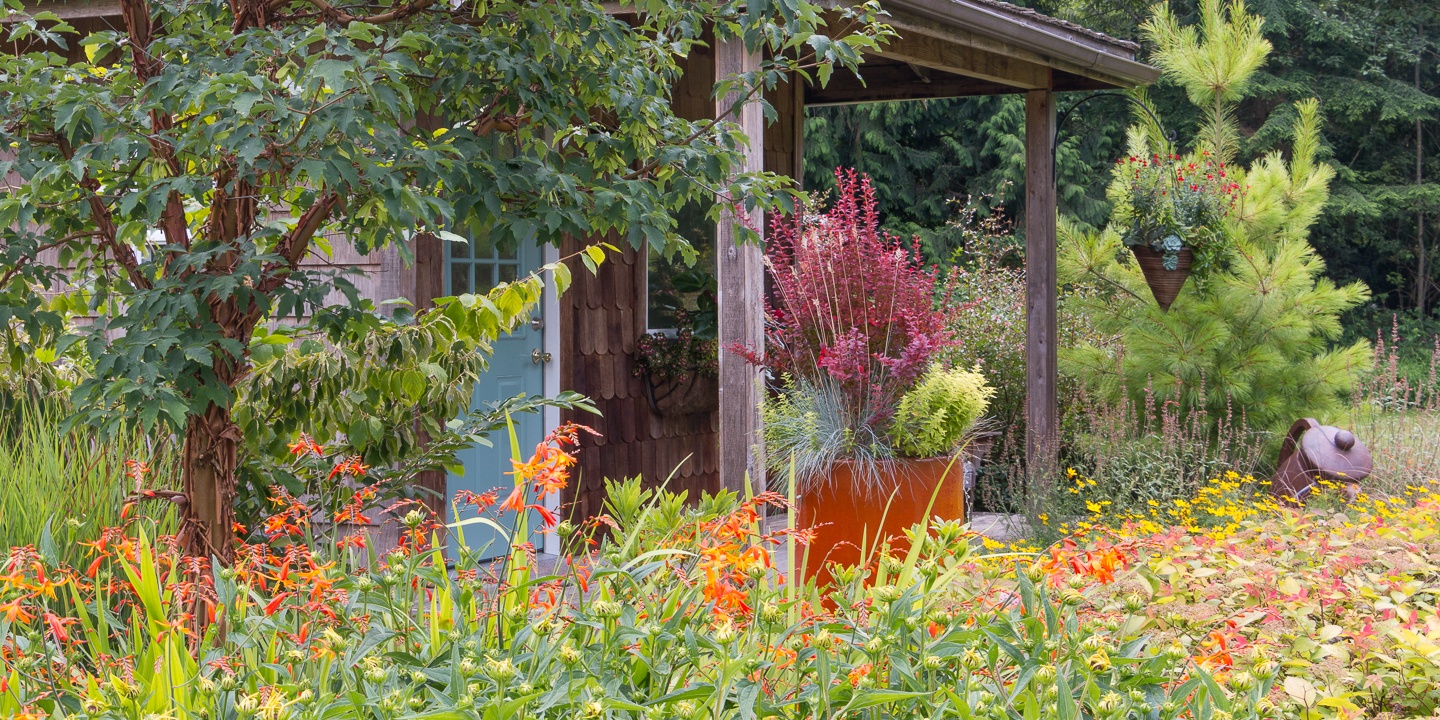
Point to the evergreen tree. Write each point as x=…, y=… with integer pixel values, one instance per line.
x=1255, y=335
x=1373, y=67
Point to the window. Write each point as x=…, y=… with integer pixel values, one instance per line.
x=480, y=265
x=674, y=286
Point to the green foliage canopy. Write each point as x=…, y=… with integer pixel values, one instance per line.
x=176, y=173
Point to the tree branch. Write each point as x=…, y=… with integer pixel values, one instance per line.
x=341, y=16
x=105, y=223
x=295, y=245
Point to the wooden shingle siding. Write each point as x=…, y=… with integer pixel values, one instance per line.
x=601, y=318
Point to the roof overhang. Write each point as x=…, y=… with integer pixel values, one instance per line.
x=1024, y=35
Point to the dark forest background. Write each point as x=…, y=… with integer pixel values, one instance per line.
x=1374, y=65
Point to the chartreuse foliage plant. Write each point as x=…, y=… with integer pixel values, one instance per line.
x=1257, y=336
x=677, y=610
x=1339, y=597
x=933, y=417
x=177, y=175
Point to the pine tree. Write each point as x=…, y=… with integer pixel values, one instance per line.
x=1256, y=335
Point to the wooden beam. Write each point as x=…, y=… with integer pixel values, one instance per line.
x=938, y=54
x=740, y=275
x=880, y=82
x=1042, y=427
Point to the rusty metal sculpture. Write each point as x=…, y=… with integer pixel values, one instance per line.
x=1313, y=453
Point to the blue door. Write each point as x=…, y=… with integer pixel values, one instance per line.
x=516, y=368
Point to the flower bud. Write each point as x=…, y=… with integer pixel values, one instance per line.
x=933, y=662
x=1099, y=662
x=1071, y=597
x=1242, y=681
x=885, y=593
x=1265, y=669
x=972, y=660
x=568, y=654
x=771, y=613
x=606, y=609
x=725, y=633
x=1035, y=572
x=1134, y=603
x=501, y=671
x=1045, y=674
x=1109, y=702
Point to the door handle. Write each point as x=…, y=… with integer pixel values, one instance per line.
x=537, y=356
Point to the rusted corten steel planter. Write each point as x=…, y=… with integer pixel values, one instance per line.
x=845, y=518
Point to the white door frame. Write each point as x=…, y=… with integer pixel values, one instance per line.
x=550, y=342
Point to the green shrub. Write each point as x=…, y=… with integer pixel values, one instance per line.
x=933, y=417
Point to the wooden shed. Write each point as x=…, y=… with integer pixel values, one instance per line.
x=586, y=340
x=945, y=48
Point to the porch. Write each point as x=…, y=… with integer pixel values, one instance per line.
x=945, y=49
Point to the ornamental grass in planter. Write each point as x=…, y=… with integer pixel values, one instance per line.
x=863, y=409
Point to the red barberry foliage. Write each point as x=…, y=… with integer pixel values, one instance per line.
x=853, y=305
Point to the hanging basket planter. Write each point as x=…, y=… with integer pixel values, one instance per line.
x=1164, y=284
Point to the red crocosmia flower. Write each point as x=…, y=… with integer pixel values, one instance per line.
x=516, y=501
x=273, y=606
x=547, y=516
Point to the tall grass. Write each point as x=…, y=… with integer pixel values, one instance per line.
x=73, y=481
x=1396, y=412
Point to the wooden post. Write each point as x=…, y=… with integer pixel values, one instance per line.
x=740, y=276
x=1042, y=431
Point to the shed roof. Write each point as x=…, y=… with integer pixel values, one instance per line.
x=1011, y=30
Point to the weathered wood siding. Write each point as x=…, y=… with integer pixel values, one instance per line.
x=602, y=317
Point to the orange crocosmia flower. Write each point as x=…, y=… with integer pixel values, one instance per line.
x=516, y=500
x=273, y=606
x=14, y=612
x=136, y=470
x=546, y=516
x=860, y=673
x=306, y=445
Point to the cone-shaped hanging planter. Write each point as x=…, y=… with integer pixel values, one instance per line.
x=1164, y=284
